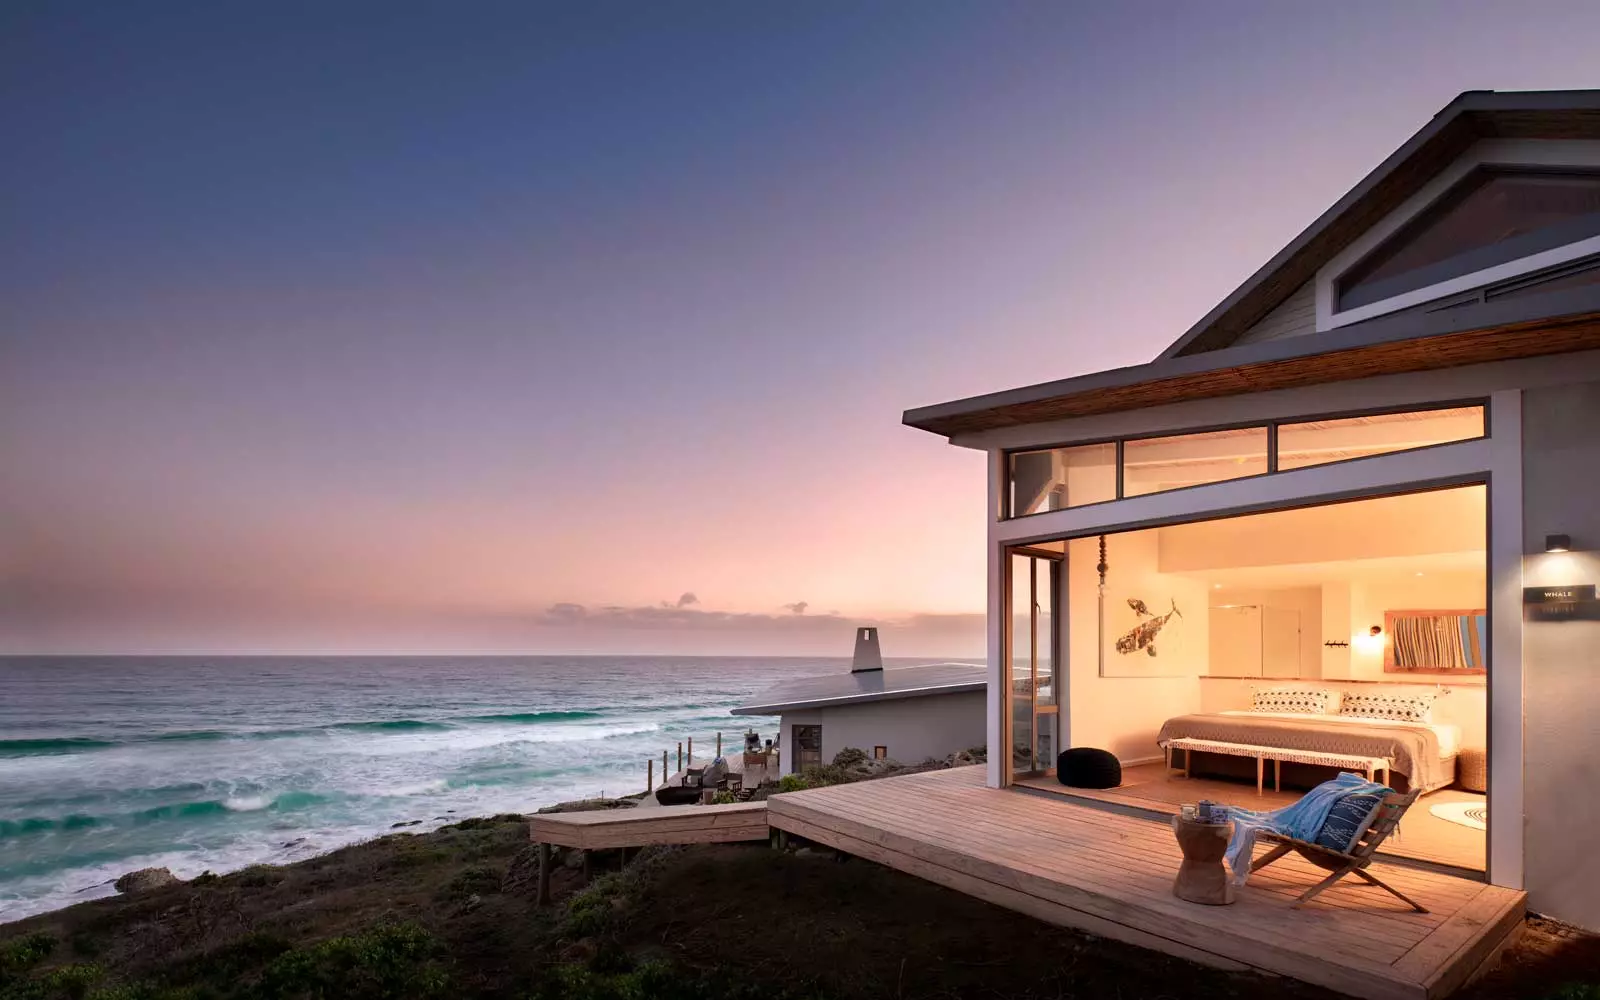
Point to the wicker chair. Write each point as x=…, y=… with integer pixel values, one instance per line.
x=1342, y=863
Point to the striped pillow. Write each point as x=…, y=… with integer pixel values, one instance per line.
x=1398, y=706
x=1300, y=700
x=1348, y=820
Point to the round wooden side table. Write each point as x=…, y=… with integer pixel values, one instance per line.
x=1202, y=877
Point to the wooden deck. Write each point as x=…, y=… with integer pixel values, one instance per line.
x=605, y=829
x=1111, y=875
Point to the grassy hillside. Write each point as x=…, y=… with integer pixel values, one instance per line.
x=451, y=914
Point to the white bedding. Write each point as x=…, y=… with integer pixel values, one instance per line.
x=1449, y=736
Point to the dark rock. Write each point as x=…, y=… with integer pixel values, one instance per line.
x=522, y=877
x=146, y=878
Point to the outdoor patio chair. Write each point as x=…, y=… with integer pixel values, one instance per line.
x=1341, y=863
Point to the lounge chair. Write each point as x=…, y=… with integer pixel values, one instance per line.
x=1341, y=863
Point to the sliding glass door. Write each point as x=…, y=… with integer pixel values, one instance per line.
x=1033, y=580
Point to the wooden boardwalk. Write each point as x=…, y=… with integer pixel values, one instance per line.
x=605, y=829
x=1111, y=875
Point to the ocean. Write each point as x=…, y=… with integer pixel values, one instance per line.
x=109, y=764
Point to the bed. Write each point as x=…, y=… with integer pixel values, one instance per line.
x=1424, y=752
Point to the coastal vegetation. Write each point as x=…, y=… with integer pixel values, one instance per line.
x=451, y=913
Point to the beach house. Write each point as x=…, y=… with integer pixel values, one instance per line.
x=902, y=713
x=1350, y=508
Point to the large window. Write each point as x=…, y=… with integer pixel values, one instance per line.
x=1317, y=442
x=1063, y=477
x=1050, y=479
x=1494, y=216
x=1154, y=465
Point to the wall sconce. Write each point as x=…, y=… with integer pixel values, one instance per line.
x=1375, y=630
x=1558, y=543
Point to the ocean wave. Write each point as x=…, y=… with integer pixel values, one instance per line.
x=533, y=717
x=575, y=734
x=68, y=744
x=84, y=744
x=205, y=808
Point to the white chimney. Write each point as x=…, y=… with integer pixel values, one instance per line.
x=868, y=656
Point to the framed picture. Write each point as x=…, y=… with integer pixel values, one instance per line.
x=1436, y=641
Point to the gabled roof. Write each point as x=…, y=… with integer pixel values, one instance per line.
x=1207, y=361
x=855, y=688
x=1474, y=115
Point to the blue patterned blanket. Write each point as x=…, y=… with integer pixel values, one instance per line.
x=1301, y=820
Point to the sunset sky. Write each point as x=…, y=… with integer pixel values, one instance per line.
x=520, y=327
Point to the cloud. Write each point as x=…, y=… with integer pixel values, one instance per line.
x=682, y=616
x=687, y=598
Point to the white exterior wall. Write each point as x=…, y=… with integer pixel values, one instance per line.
x=1561, y=474
x=914, y=729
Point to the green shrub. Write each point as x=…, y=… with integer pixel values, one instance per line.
x=258, y=876
x=476, y=880
x=792, y=783
x=391, y=962
x=724, y=799
x=23, y=953
x=1576, y=991
x=850, y=757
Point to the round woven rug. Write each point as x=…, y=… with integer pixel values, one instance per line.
x=1473, y=814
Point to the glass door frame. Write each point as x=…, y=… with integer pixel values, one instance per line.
x=1039, y=715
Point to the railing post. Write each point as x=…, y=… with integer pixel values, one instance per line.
x=719, y=744
x=650, y=775
x=691, y=751
x=680, y=755
x=664, y=771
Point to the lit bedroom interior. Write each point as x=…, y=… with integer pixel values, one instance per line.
x=1352, y=632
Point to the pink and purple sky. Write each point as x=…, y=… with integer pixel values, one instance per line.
x=510, y=327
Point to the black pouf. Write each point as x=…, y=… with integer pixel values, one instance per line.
x=1087, y=767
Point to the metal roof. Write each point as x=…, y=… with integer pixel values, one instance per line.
x=888, y=684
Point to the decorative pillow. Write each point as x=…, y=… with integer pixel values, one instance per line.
x=1400, y=706
x=1348, y=820
x=1299, y=700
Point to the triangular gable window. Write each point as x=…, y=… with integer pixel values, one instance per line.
x=1494, y=216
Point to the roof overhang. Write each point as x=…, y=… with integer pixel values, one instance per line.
x=1497, y=331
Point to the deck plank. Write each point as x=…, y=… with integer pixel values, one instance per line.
x=1111, y=874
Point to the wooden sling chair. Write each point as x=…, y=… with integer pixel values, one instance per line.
x=1342, y=863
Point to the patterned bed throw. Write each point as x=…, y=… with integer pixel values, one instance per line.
x=1413, y=748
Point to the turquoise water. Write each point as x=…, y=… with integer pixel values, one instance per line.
x=112, y=764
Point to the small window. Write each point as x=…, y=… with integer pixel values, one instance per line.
x=807, y=747
x=1318, y=442
x=880, y=753
x=1492, y=217
x=1062, y=477
x=1154, y=465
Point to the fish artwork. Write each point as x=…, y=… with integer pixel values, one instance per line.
x=1143, y=635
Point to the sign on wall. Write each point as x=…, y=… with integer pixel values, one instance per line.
x=1555, y=604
